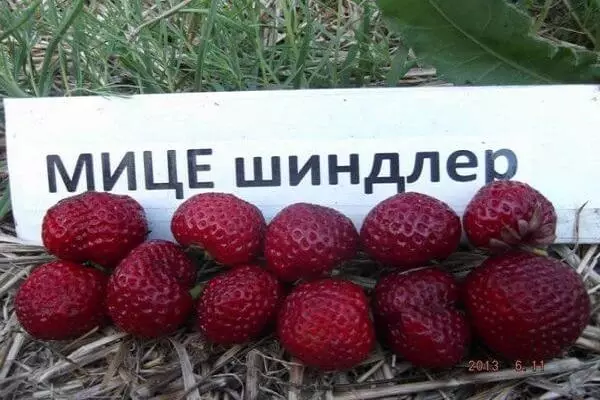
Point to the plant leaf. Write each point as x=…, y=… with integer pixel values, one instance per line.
x=486, y=42
x=399, y=67
x=587, y=15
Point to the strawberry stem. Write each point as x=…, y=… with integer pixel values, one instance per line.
x=198, y=252
x=535, y=250
x=196, y=290
x=97, y=266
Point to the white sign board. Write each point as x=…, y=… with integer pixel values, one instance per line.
x=346, y=148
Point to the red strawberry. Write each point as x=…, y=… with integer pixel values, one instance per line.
x=307, y=240
x=421, y=287
x=430, y=337
x=238, y=305
x=326, y=324
x=505, y=213
x=170, y=257
x=526, y=307
x=410, y=229
x=415, y=312
x=61, y=300
x=96, y=227
x=230, y=229
x=148, y=293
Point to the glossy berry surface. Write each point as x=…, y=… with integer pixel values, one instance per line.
x=96, y=227
x=230, y=229
x=422, y=288
x=416, y=313
x=61, y=300
x=526, y=307
x=308, y=240
x=148, y=293
x=238, y=305
x=168, y=256
x=502, y=214
x=326, y=324
x=430, y=337
x=410, y=229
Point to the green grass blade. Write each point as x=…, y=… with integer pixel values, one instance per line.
x=206, y=33
x=8, y=85
x=46, y=71
x=5, y=203
x=21, y=20
x=303, y=50
x=77, y=69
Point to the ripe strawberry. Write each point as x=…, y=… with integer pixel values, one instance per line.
x=307, y=240
x=415, y=313
x=526, y=307
x=96, y=227
x=61, y=300
x=410, y=229
x=506, y=213
x=326, y=324
x=430, y=337
x=230, y=229
x=148, y=293
x=425, y=287
x=238, y=305
x=170, y=257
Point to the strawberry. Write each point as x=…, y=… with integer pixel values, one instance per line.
x=61, y=300
x=326, y=324
x=229, y=229
x=238, y=305
x=504, y=213
x=425, y=287
x=96, y=227
x=416, y=314
x=410, y=229
x=430, y=337
x=526, y=307
x=148, y=293
x=308, y=240
x=171, y=257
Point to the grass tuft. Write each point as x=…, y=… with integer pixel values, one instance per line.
x=123, y=46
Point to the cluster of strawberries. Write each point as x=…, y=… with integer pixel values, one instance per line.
x=277, y=276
